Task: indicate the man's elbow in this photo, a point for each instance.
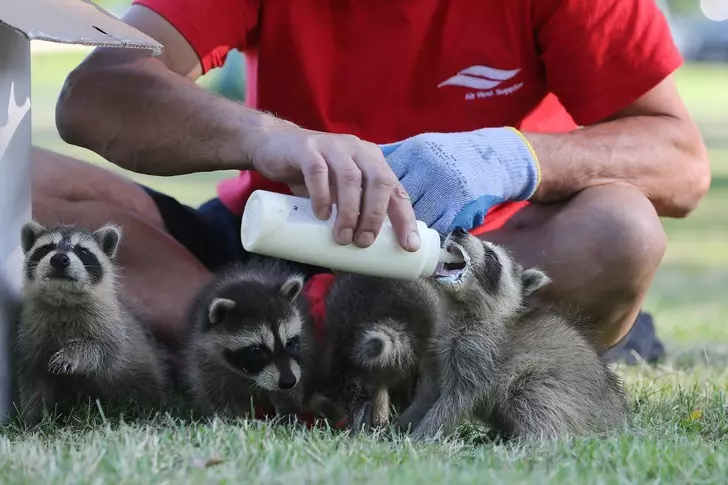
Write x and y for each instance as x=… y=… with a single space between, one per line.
x=91 y=111
x=74 y=107
x=694 y=179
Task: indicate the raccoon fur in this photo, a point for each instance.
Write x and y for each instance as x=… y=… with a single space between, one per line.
x=528 y=370
x=77 y=339
x=376 y=329
x=251 y=341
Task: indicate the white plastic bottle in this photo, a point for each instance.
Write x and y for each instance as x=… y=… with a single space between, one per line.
x=285 y=226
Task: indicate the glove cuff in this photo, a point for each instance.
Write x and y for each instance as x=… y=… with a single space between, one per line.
x=517 y=158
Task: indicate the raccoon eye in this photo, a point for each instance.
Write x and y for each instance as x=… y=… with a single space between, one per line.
x=293 y=343
x=82 y=251
x=256 y=349
x=247 y=359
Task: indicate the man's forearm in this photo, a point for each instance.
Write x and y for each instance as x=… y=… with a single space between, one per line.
x=662 y=156
x=143 y=117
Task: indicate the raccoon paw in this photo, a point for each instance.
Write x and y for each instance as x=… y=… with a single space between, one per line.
x=362 y=418
x=62 y=363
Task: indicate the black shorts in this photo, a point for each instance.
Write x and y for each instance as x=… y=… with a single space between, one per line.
x=210 y=232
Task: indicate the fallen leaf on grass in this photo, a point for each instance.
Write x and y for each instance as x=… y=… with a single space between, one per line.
x=696 y=414
x=205 y=463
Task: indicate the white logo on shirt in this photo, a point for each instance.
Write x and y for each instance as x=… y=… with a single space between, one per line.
x=484 y=80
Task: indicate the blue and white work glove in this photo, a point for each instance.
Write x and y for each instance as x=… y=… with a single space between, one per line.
x=453 y=179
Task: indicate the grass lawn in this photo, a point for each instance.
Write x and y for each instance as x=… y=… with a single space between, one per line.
x=677 y=435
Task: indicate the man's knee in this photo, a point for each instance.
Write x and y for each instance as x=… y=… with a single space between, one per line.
x=601 y=249
x=624 y=236
x=622 y=244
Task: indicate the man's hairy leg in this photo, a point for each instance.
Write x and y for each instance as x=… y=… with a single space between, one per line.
x=158 y=273
x=601 y=248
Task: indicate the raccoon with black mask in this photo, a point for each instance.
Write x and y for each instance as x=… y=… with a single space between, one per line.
x=251 y=337
x=78 y=339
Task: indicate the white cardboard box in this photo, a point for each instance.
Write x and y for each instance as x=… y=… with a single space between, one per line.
x=21 y=21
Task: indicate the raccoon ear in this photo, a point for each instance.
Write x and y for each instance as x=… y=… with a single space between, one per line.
x=219 y=309
x=291 y=288
x=108 y=237
x=533 y=279
x=29 y=235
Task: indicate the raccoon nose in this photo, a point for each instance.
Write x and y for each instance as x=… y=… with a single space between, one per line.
x=287 y=381
x=460 y=231
x=60 y=260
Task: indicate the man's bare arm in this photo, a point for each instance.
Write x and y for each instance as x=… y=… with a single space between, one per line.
x=652 y=145
x=147 y=115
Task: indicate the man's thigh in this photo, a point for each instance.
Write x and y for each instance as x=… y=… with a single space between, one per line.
x=60 y=177
x=207 y=232
x=601 y=248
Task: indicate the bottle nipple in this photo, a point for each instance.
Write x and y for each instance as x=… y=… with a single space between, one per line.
x=448 y=257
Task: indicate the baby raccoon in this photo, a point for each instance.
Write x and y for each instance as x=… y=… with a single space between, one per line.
x=528 y=370
x=76 y=339
x=375 y=332
x=251 y=337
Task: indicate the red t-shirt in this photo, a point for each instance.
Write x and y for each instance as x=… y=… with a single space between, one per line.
x=386 y=70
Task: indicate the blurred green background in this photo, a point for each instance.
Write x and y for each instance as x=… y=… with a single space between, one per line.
x=689 y=296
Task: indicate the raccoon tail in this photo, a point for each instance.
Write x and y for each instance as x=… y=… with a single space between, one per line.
x=385 y=344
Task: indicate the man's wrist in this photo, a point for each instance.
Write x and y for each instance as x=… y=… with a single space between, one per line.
x=250 y=129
